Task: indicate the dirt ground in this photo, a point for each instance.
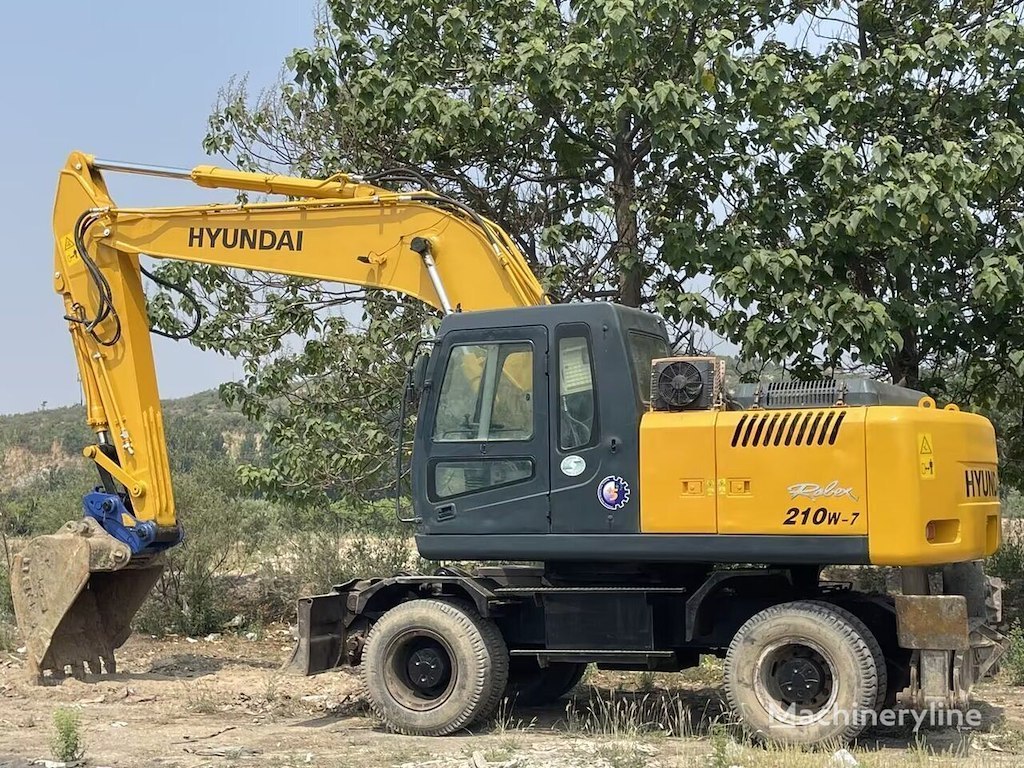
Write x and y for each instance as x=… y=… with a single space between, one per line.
x=223 y=702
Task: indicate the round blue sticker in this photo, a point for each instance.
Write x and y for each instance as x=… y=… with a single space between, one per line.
x=613 y=492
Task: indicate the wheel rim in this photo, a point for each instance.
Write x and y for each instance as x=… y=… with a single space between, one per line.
x=421 y=670
x=795 y=682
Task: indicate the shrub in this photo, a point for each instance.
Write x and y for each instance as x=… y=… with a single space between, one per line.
x=45 y=504
x=331 y=557
x=378 y=555
x=8 y=631
x=321 y=563
x=67 y=745
x=222 y=537
x=1013 y=504
x=1013 y=661
x=1008 y=562
x=6 y=602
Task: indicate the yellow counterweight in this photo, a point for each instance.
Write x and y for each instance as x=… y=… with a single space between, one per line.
x=919 y=485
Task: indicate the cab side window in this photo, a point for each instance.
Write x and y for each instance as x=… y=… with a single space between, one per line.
x=576 y=406
x=487 y=393
x=454 y=478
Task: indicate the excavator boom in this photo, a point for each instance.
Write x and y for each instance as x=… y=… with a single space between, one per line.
x=76 y=591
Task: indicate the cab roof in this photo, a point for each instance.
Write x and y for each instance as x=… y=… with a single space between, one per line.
x=595 y=314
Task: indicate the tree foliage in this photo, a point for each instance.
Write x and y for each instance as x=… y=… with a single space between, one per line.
x=824 y=186
x=880 y=221
x=582 y=128
x=331 y=407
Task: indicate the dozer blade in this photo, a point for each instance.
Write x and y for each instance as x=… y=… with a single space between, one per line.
x=321 y=635
x=326 y=638
x=75 y=594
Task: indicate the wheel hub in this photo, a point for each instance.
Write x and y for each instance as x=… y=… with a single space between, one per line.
x=800 y=679
x=797 y=676
x=426 y=668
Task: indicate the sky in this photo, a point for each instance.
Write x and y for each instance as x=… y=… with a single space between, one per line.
x=132 y=81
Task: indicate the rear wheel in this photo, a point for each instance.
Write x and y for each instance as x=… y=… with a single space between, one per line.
x=432 y=667
x=531 y=685
x=804 y=673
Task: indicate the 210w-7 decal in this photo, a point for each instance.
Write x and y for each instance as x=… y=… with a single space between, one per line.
x=819 y=516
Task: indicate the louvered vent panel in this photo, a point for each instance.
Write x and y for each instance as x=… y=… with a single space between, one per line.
x=775 y=428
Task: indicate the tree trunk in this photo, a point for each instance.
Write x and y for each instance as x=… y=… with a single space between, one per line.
x=627 y=246
x=904 y=366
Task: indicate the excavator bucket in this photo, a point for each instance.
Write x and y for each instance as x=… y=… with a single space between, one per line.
x=75 y=594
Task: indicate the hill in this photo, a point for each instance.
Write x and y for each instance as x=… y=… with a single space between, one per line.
x=43 y=474
x=200 y=429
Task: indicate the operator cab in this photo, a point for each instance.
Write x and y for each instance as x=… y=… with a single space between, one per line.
x=529 y=426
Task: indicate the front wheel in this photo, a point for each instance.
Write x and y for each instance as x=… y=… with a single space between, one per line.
x=431 y=667
x=805 y=672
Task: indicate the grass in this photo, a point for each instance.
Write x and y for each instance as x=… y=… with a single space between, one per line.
x=628 y=726
x=719 y=747
x=201 y=700
x=624 y=754
x=272 y=688
x=498 y=754
x=276 y=697
x=67 y=745
x=509 y=728
x=623 y=715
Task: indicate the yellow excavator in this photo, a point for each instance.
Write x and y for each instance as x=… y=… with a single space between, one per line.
x=658 y=513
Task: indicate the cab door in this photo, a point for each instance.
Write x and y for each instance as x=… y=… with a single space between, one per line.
x=580 y=455
x=484 y=437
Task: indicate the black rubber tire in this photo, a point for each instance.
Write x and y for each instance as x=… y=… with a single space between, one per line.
x=531 y=685
x=477 y=656
x=854 y=659
x=877 y=652
x=883 y=670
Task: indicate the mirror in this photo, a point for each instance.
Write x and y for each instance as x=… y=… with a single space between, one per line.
x=419 y=374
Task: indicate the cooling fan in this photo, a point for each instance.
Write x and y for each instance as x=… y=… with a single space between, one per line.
x=685 y=383
x=679 y=384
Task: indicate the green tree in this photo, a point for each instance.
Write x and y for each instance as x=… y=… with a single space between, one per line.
x=824 y=186
x=880 y=221
x=331 y=407
x=582 y=128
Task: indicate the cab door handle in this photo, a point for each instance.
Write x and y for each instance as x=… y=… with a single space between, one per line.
x=445 y=512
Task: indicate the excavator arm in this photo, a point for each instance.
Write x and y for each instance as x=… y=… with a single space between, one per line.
x=76 y=591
